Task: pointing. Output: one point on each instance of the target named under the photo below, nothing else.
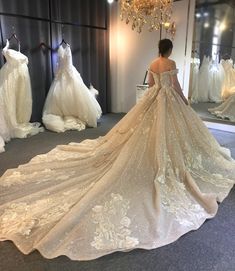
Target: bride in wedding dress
(69, 105)
(155, 176)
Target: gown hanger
(13, 36)
(63, 42)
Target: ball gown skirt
(15, 89)
(226, 110)
(155, 176)
(70, 105)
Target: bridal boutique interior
(211, 89)
(114, 59)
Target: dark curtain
(82, 23)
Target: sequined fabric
(155, 176)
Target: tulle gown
(226, 110)
(228, 88)
(155, 176)
(16, 96)
(204, 80)
(70, 105)
(216, 80)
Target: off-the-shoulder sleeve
(174, 72)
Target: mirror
(212, 74)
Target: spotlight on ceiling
(206, 25)
(223, 26)
(110, 1)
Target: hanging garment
(15, 90)
(4, 130)
(194, 79)
(226, 110)
(155, 176)
(216, 79)
(204, 80)
(228, 87)
(70, 105)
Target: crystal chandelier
(153, 13)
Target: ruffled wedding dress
(228, 88)
(226, 110)
(204, 80)
(16, 96)
(155, 176)
(70, 105)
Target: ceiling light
(222, 26)
(153, 13)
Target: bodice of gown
(164, 79)
(64, 58)
(205, 64)
(13, 57)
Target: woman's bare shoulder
(154, 62)
(172, 64)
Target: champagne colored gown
(155, 176)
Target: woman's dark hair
(164, 46)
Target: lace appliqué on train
(174, 197)
(112, 231)
(18, 178)
(21, 217)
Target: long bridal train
(155, 176)
(226, 110)
(70, 105)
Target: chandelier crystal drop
(153, 13)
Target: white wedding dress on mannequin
(204, 80)
(4, 130)
(70, 105)
(228, 88)
(194, 76)
(155, 176)
(216, 80)
(16, 96)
